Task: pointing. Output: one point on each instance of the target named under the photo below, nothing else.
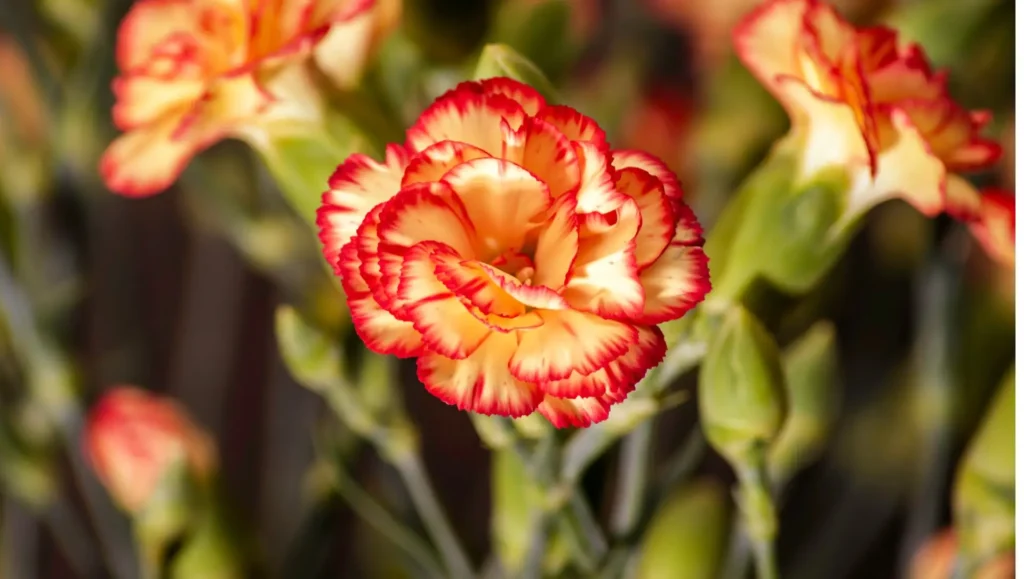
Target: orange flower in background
(133, 437)
(196, 71)
(995, 226)
(936, 559)
(524, 263)
(860, 100)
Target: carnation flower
(193, 72)
(521, 260)
(860, 100)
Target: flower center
(516, 264)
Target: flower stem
(380, 519)
(764, 557)
(935, 357)
(413, 472)
(759, 516)
(634, 469)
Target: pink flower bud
(132, 439)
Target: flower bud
(740, 389)
(687, 538)
(983, 499)
(809, 366)
(776, 228)
(498, 60)
(133, 439)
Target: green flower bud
(785, 232)
(502, 60)
(809, 365)
(740, 389)
(983, 500)
(688, 535)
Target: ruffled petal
(676, 282)
(657, 216)
(832, 135)
(962, 200)
(569, 341)
(357, 186)
(142, 99)
(524, 94)
(995, 228)
(147, 160)
(379, 329)
(605, 278)
(951, 133)
(558, 242)
(482, 382)
(467, 115)
(907, 169)
(503, 201)
(228, 104)
(427, 212)
(542, 150)
(147, 24)
(446, 325)
(432, 163)
(616, 380)
(574, 125)
(578, 412)
(766, 41)
(532, 296)
(651, 165)
(597, 193)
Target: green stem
(533, 567)
(634, 469)
(380, 519)
(935, 358)
(579, 530)
(71, 535)
(413, 472)
(759, 516)
(764, 556)
(584, 520)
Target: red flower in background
(132, 439)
